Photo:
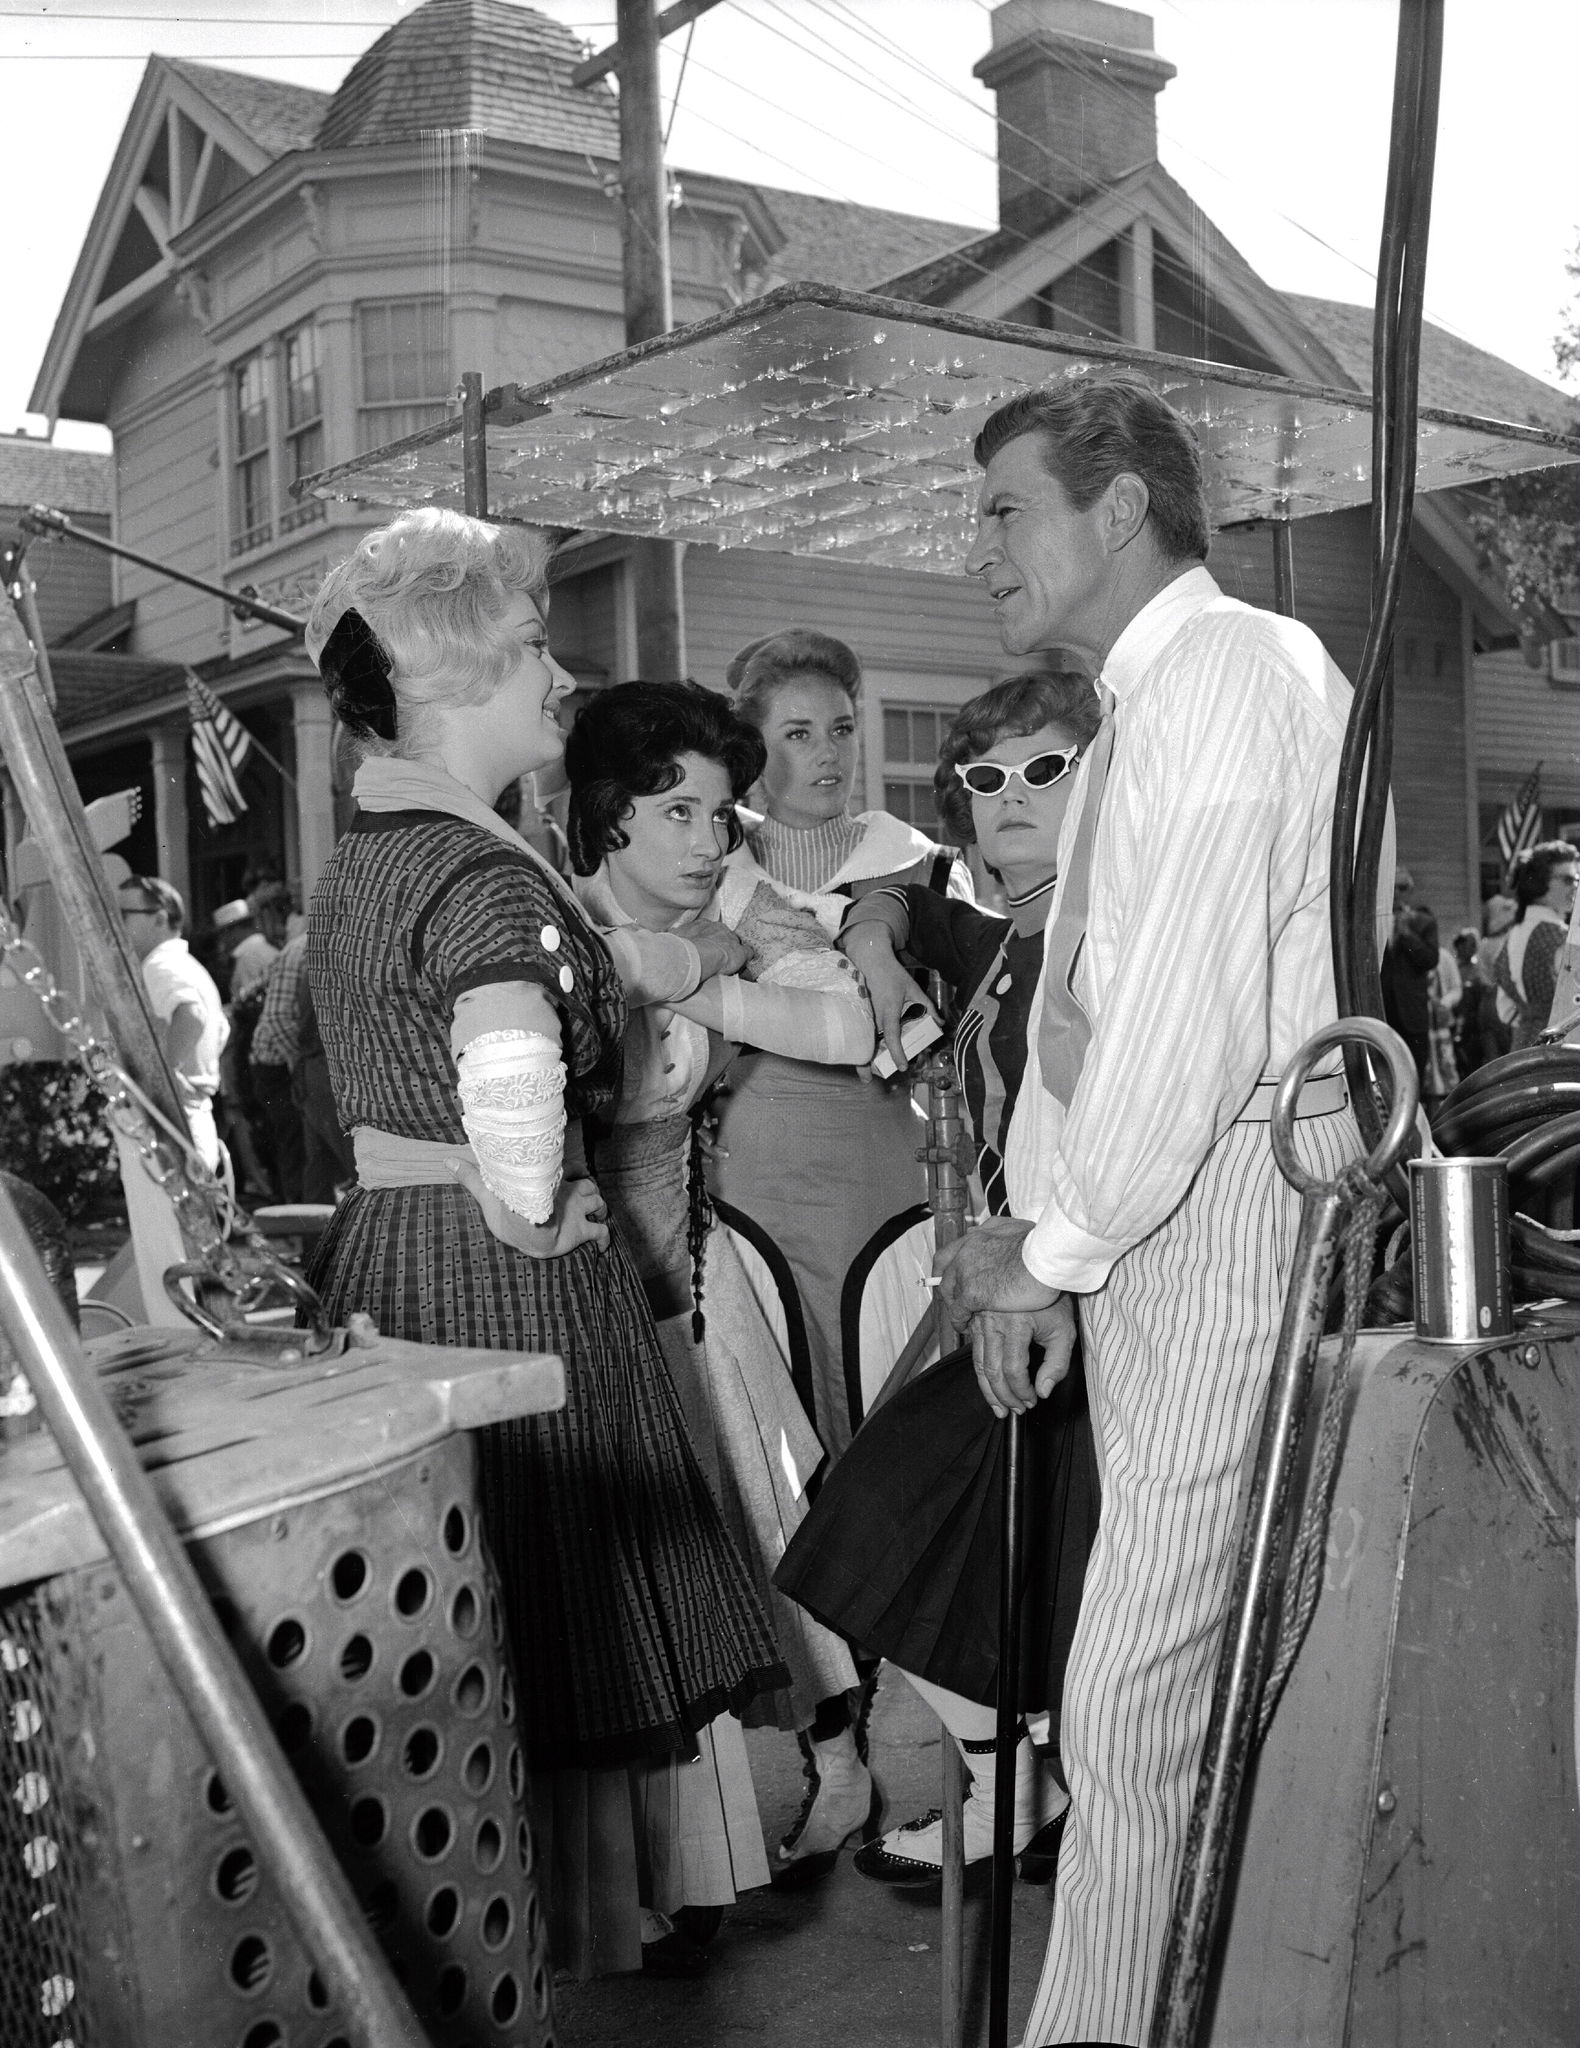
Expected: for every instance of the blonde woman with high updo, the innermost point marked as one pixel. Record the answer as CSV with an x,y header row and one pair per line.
x,y
472,1018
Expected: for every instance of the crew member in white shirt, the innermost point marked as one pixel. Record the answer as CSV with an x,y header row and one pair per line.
x,y
1187,958
183,998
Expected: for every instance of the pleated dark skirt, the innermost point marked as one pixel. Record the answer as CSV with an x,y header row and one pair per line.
x,y
632,1618
902,1551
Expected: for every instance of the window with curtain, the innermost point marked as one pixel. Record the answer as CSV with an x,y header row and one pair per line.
x,y
252,524
303,411
912,735
405,368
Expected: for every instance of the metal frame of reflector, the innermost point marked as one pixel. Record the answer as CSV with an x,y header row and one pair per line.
x,y
835,424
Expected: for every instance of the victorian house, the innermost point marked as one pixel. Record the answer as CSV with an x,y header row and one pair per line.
x,y
276,279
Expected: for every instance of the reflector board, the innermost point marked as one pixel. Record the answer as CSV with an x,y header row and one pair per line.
x,y
829,423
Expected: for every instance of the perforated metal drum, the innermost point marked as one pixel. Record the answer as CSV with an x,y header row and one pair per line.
x,y
132,1906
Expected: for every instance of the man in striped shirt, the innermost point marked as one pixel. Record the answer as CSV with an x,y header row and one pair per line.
x,y
1187,958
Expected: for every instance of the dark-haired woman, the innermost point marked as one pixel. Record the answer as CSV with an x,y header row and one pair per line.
x,y
823,1157
902,1550
656,771
472,1018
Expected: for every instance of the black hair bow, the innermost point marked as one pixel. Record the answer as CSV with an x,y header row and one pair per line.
x,y
356,673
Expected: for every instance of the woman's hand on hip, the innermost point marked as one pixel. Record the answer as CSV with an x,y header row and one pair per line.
x,y
580,1216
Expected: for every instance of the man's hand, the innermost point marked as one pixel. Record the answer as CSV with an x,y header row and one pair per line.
x,y
1001,1342
986,1289
984,1271
580,1216
722,951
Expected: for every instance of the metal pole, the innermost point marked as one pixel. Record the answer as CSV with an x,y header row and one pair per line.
x,y
654,565
25,598
44,519
946,1190
37,761
1284,568
202,1666
1006,1734
474,445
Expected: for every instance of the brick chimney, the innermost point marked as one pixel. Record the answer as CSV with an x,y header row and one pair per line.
x,y
1077,86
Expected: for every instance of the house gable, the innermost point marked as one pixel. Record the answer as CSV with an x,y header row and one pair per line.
x,y
192,139
1136,261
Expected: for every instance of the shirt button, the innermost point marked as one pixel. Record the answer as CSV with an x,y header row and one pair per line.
x,y
1001,986
567,980
550,938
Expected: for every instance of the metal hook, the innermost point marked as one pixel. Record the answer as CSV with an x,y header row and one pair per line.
x,y
1390,1147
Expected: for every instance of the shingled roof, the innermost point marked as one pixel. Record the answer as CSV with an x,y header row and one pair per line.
x,y
473,64
277,116
91,685
836,242
70,479
1455,374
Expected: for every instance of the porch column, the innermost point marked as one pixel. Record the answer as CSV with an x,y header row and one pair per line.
x,y
1472,791
167,745
1137,315
312,726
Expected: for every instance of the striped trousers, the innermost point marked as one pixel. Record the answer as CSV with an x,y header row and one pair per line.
x,y
1178,1347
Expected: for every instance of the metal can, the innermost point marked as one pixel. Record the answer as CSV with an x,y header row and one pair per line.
x,y
1459,1226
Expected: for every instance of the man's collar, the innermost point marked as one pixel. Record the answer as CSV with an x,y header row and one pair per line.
x,y
1154,626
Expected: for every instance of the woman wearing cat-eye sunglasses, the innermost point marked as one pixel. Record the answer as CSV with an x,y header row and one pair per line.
x,y
892,1553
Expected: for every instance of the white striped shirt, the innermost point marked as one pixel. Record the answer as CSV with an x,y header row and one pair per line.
x,y
1206,962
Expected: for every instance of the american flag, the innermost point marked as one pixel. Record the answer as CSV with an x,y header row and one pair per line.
x,y
219,746
1520,824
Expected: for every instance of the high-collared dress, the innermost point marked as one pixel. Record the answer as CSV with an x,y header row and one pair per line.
x,y
824,1157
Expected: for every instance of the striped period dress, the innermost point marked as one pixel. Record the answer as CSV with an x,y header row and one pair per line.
x,y
630,1613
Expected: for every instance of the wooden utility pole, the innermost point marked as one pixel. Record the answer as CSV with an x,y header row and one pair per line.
x,y
649,310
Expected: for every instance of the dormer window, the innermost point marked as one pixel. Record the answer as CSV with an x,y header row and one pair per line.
x,y
250,442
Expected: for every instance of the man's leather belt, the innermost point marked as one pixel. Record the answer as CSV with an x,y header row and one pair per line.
x,y
1323,1096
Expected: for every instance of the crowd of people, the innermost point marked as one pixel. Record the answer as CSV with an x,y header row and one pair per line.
x,y
574,1104
240,1035
1491,992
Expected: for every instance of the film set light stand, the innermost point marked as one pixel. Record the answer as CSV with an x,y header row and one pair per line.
x,y
838,425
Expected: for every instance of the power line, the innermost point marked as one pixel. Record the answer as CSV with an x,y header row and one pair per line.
x,y
220,57
53,18
1093,69
958,255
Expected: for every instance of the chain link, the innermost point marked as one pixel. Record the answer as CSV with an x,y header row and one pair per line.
x,y
211,1221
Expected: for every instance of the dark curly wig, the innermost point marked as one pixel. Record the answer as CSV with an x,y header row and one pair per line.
x,y
627,742
1013,709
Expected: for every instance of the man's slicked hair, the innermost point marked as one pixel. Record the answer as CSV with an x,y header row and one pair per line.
x,y
1090,432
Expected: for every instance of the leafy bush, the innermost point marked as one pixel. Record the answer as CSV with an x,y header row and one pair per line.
x,y
53,1135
